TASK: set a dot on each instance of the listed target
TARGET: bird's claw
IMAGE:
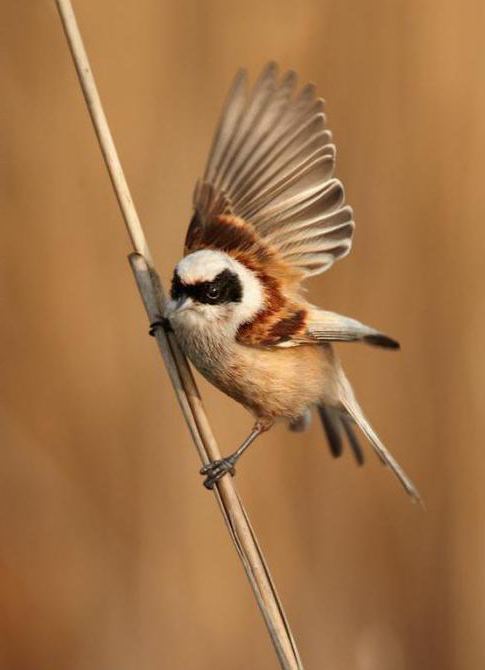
(161, 322)
(216, 470)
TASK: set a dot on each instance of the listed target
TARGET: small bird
(268, 213)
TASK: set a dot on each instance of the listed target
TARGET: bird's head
(212, 289)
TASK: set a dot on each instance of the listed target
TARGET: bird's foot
(217, 469)
(161, 322)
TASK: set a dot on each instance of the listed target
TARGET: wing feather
(254, 111)
(230, 116)
(271, 164)
(283, 141)
(327, 200)
(323, 326)
(259, 136)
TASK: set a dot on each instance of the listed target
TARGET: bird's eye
(213, 292)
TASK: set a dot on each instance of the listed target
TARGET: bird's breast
(208, 351)
(267, 381)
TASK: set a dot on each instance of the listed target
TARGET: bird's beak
(178, 306)
(183, 303)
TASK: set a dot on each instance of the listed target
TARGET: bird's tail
(336, 424)
(351, 405)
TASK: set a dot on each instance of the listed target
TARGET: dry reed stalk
(151, 291)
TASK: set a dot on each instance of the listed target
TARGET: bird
(268, 213)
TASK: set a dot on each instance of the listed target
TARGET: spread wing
(271, 166)
(269, 198)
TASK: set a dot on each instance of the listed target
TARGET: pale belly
(269, 382)
(284, 382)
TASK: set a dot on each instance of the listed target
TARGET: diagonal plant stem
(188, 396)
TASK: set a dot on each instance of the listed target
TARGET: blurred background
(112, 555)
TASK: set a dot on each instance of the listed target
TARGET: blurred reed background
(112, 555)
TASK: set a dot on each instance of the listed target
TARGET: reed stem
(188, 396)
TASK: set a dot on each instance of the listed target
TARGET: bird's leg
(217, 469)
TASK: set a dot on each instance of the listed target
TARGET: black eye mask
(224, 288)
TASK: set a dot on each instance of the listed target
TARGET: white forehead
(205, 265)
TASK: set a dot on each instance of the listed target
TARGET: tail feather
(353, 441)
(331, 426)
(353, 408)
(335, 424)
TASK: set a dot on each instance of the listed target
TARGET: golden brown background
(112, 555)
